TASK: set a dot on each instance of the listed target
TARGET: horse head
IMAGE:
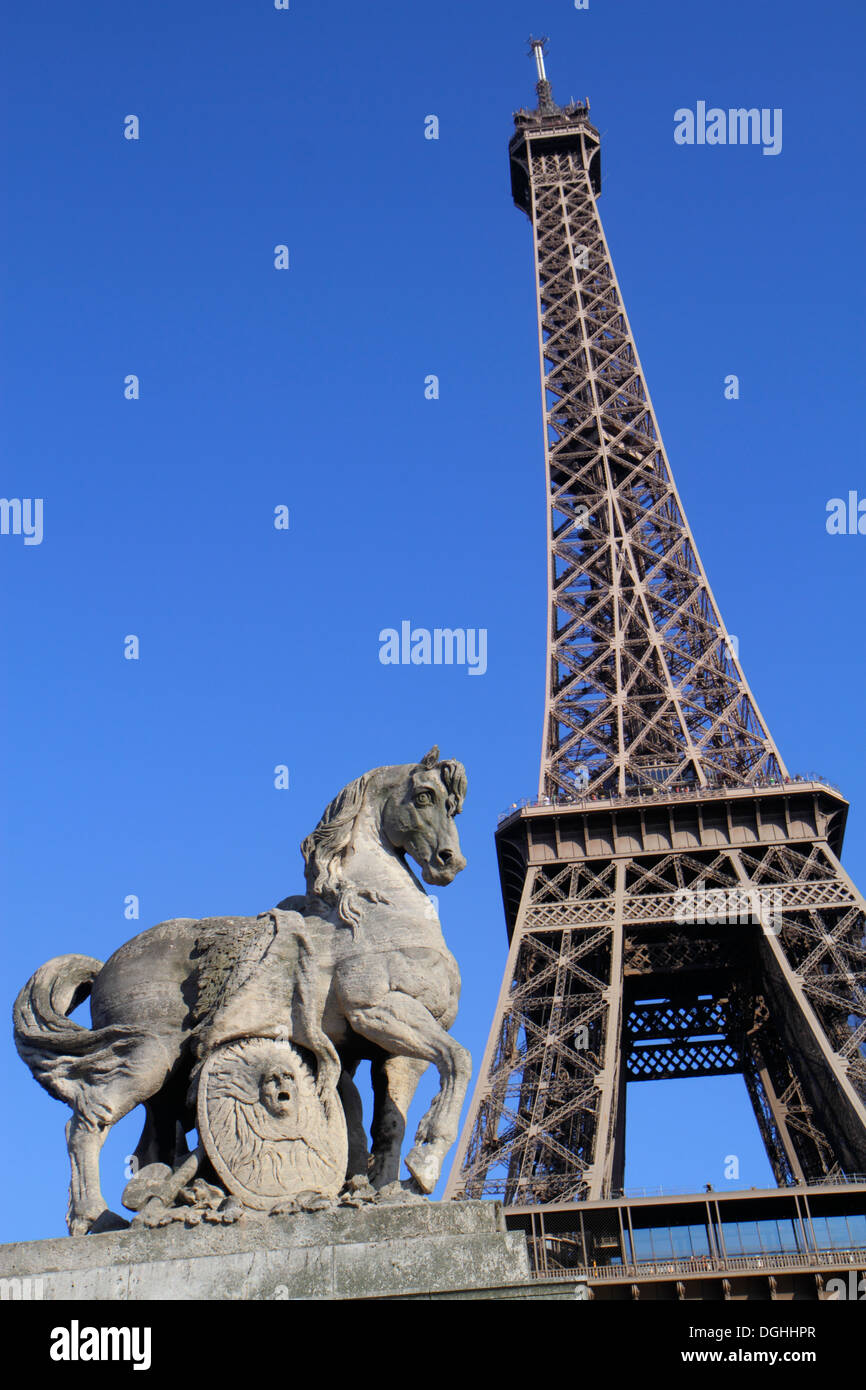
(418, 816)
(412, 807)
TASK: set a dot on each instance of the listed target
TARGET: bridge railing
(831, 1180)
(545, 1266)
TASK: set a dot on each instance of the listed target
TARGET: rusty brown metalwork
(674, 897)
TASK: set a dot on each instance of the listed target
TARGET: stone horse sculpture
(355, 969)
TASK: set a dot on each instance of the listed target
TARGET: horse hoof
(424, 1168)
(83, 1224)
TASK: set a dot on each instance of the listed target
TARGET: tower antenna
(538, 47)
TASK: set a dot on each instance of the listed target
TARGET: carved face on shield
(278, 1092)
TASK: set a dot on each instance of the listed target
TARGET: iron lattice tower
(674, 900)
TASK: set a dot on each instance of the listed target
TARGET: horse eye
(423, 799)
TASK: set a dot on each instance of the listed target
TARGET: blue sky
(305, 388)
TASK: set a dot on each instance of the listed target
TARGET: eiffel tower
(674, 898)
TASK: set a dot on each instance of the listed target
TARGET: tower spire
(546, 104)
(539, 48)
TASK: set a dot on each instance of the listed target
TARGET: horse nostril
(446, 855)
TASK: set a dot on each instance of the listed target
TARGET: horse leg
(353, 1107)
(85, 1137)
(101, 1104)
(402, 1025)
(149, 1148)
(163, 1138)
(395, 1080)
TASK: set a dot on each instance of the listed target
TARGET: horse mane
(327, 848)
(453, 776)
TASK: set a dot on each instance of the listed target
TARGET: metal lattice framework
(644, 688)
(705, 931)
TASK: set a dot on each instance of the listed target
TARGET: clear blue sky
(306, 388)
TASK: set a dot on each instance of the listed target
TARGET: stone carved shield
(264, 1128)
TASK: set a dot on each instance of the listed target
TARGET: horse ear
(430, 759)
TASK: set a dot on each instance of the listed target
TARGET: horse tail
(66, 1058)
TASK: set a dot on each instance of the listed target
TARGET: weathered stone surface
(147, 1183)
(428, 1250)
(242, 1015)
(268, 1133)
(341, 1225)
(559, 1290)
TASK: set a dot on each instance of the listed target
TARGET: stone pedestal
(453, 1250)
